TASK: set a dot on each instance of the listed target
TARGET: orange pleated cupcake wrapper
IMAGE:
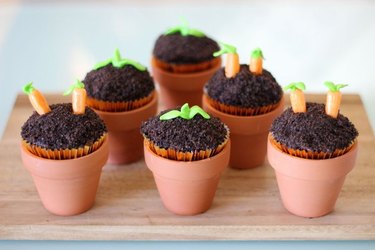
(185, 156)
(310, 154)
(118, 106)
(64, 154)
(187, 68)
(235, 110)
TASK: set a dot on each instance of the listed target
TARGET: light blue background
(54, 42)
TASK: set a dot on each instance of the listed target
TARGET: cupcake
(182, 62)
(243, 90)
(182, 49)
(118, 84)
(122, 93)
(60, 132)
(64, 147)
(247, 98)
(312, 147)
(187, 150)
(188, 134)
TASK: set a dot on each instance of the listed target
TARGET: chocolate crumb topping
(178, 49)
(62, 129)
(314, 130)
(185, 135)
(245, 90)
(118, 84)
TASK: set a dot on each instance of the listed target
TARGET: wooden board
(247, 205)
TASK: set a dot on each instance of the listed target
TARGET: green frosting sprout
(77, 85)
(119, 62)
(184, 30)
(185, 113)
(294, 86)
(225, 49)
(334, 87)
(28, 88)
(257, 53)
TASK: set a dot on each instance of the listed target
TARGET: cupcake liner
(172, 154)
(187, 68)
(119, 106)
(310, 154)
(240, 111)
(64, 154)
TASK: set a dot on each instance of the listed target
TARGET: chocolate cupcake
(243, 90)
(188, 134)
(313, 130)
(118, 84)
(62, 131)
(182, 49)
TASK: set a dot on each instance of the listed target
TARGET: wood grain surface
(247, 205)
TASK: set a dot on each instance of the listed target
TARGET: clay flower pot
(179, 88)
(187, 187)
(66, 187)
(125, 141)
(309, 188)
(248, 135)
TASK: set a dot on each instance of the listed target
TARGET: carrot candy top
(78, 97)
(297, 97)
(256, 62)
(36, 98)
(232, 64)
(119, 62)
(184, 30)
(333, 98)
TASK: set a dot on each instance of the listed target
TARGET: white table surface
(54, 42)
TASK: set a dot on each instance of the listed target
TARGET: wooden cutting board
(247, 205)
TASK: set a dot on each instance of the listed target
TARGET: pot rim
(129, 120)
(311, 169)
(192, 74)
(62, 169)
(187, 170)
(246, 125)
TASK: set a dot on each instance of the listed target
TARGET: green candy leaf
(294, 86)
(198, 110)
(334, 87)
(185, 113)
(28, 88)
(225, 49)
(119, 62)
(184, 30)
(257, 53)
(102, 64)
(77, 85)
(196, 33)
(170, 115)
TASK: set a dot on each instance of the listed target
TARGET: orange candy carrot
(297, 97)
(78, 97)
(333, 98)
(37, 99)
(256, 62)
(232, 64)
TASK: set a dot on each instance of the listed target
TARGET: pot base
(125, 147)
(187, 187)
(179, 88)
(309, 187)
(248, 151)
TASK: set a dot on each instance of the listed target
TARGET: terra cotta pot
(187, 187)
(248, 135)
(125, 140)
(309, 187)
(179, 88)
(66, 187)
